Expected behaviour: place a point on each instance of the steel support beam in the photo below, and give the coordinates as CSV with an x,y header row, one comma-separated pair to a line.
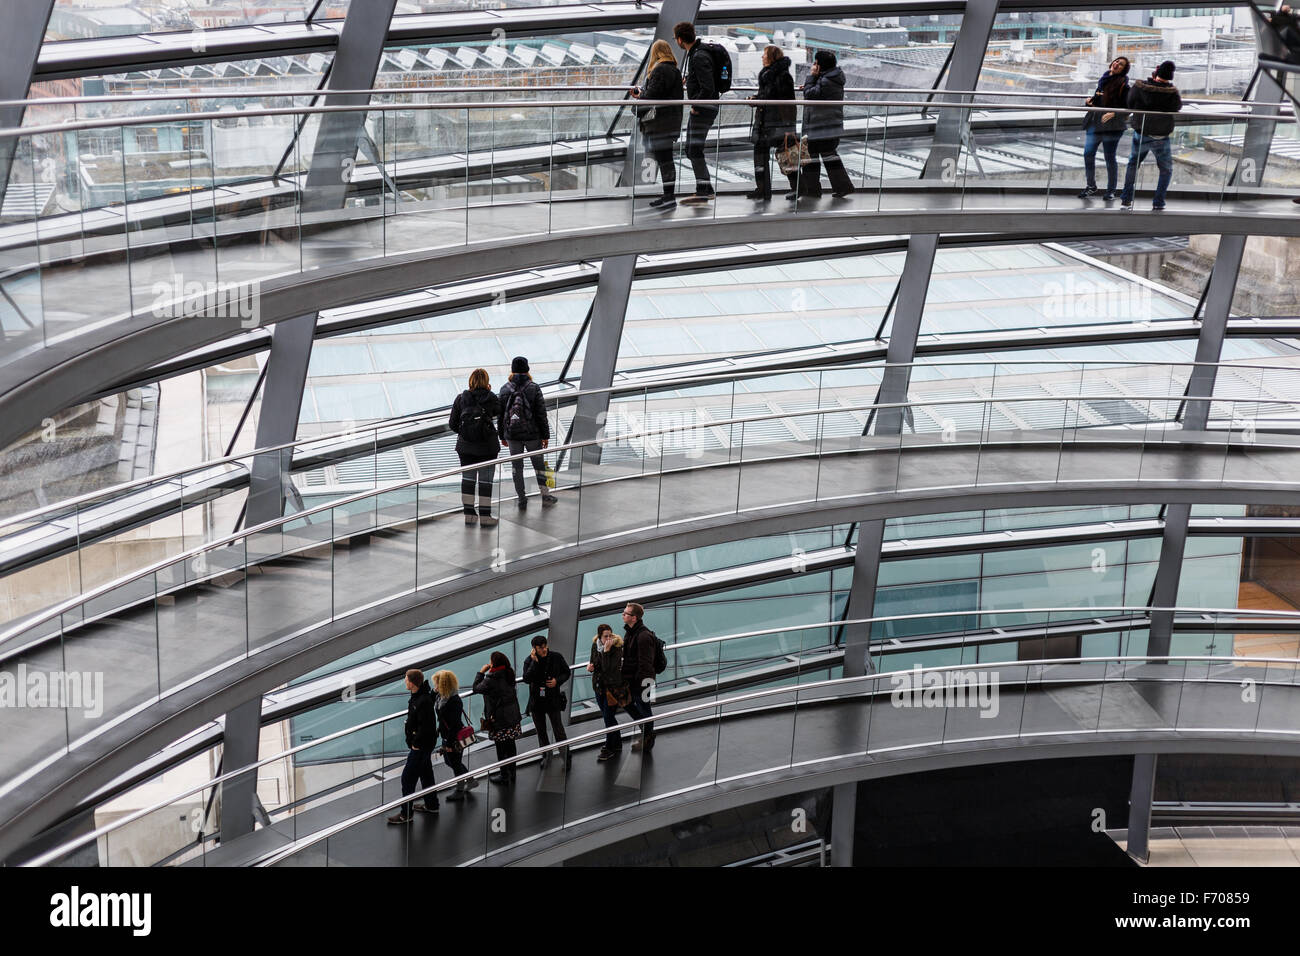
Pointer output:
x,y
671,12
604,333
361,44
953,125
20,45
844,813
1139,806
286,375
913,286
1168,573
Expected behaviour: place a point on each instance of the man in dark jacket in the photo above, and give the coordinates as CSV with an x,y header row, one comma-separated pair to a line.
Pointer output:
x,y
1151,131
824,127
545,672
639,645
525,427
697,71
772,124
421,738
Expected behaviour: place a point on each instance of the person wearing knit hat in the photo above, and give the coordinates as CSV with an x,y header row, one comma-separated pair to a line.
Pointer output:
x,y
1155,101
524,427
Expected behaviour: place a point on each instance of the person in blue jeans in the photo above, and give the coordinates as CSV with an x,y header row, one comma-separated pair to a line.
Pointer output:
x,y
606,669
1158,100
1105,130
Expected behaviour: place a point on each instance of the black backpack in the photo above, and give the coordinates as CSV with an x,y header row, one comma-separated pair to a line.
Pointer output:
x,y
475,422
661,659
519,415
721,66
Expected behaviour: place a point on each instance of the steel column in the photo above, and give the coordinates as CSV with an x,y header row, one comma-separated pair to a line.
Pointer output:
x,y
356,62
25,22
604,333
844,813
291,343
1139,806
952,125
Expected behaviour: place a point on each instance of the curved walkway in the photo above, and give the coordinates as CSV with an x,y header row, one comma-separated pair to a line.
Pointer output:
x,y
756,746
206,632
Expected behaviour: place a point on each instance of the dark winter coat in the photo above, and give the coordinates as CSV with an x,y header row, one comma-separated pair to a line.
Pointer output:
x,y
608,673
1154,95
824,122
492,405
500,705
697,68
451,718
543,699
1288,30
663,83
1111,93
421,719
535,424
638,655
772,123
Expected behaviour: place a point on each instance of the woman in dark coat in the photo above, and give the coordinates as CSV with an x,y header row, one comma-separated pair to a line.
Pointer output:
x,y
824,127
496,682
606,669
772,124
661,125
1105,129
474,417
450,711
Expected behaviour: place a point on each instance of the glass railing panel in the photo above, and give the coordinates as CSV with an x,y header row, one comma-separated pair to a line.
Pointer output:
x,y
32,181
40,727
293,588
201,613
428,163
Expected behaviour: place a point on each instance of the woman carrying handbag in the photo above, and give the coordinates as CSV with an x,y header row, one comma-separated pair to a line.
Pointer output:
x,y
772,125
501,716
612,692
457,735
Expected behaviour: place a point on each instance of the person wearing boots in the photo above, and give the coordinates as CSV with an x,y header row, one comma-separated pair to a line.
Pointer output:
x,y
451,720
1105,129
639,645
610,686
824,127
772,125
545,673
524,427
474,417
501,718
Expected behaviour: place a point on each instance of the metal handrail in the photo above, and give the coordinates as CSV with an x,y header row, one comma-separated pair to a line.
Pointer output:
x,y
1090,611
298,845
1268,112
568,394
256,93
82,599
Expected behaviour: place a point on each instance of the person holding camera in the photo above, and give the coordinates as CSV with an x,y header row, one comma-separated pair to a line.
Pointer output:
x,y
545,672
501,718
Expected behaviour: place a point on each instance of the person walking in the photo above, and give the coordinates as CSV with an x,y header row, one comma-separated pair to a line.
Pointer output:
x,y
639,646
824,127
524,427
474,417
772,124
501,718
1105,129
545,672
450,710
610,686
697,72
1159,97
421,736
661,125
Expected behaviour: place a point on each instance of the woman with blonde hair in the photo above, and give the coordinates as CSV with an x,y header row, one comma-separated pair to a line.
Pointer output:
x,y
451,721
474,416
661,125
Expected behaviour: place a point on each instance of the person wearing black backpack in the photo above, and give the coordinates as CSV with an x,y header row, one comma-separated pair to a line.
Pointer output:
x,y
700,77
640,650
474,416
525,427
